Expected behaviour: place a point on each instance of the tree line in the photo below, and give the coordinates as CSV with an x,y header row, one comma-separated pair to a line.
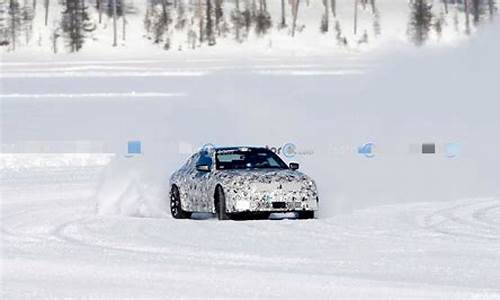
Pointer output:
x,y
200,23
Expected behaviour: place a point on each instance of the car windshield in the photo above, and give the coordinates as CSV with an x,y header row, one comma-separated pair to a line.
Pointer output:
x,y
248,158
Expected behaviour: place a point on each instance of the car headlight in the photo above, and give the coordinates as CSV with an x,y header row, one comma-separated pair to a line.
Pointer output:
x,y
242,205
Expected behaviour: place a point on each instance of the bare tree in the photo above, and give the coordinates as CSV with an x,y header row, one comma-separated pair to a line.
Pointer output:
x,y
99,8
356,16
283,16
124,19
467,18
476,11
115,37
55,35
210,25
47,2
491,8
199,10
374,6
377,29
219,14
341,39
333,5
325,18
27,15
262,5
237,17
295,15
13,12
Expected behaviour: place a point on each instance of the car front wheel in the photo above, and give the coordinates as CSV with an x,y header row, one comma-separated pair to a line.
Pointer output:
x,y
307,214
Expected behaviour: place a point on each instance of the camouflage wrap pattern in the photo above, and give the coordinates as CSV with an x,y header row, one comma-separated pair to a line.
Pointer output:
x,y
245,189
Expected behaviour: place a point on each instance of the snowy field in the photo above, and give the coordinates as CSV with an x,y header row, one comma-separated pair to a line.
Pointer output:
x,y
398,225
55,246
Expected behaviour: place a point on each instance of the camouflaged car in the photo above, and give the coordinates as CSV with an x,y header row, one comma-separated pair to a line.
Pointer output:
x,y
235,181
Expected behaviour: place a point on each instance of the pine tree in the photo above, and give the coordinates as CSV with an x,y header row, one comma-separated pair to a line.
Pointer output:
x,y
4,18
477,11
420,21
238,20
262,19
210,23
13,22
75,24
157,22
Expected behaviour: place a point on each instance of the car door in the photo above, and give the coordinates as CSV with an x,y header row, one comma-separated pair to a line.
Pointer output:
x,y
201,181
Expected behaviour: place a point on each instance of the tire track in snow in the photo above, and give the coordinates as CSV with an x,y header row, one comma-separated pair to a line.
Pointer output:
x,y
482,215
170,250
458,221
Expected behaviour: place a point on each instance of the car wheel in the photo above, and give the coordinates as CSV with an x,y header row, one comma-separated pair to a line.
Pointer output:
x,y
175,205
220,204
307,214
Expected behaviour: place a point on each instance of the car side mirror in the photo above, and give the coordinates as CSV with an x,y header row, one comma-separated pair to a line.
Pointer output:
x,y
203,168
294,166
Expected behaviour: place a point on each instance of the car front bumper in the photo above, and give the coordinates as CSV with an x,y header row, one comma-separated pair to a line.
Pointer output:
x,y
264,204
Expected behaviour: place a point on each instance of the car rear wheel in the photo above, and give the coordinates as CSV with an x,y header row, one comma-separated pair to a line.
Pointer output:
x,y
307,214
220,204
175,205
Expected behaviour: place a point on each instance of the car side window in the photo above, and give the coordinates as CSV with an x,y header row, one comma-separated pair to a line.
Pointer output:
x,y
205,159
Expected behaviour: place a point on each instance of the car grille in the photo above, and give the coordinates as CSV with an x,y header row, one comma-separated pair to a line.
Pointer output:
x,y
285,187
278,205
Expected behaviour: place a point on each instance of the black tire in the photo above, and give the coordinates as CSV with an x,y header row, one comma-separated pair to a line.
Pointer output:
x,y
264,215
220,204
307,214
175,205
243,216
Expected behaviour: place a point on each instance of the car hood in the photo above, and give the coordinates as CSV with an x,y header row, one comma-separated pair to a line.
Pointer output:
x,y
262,176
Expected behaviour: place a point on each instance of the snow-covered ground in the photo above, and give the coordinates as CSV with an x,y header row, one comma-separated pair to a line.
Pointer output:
x,y
400,224
54,245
